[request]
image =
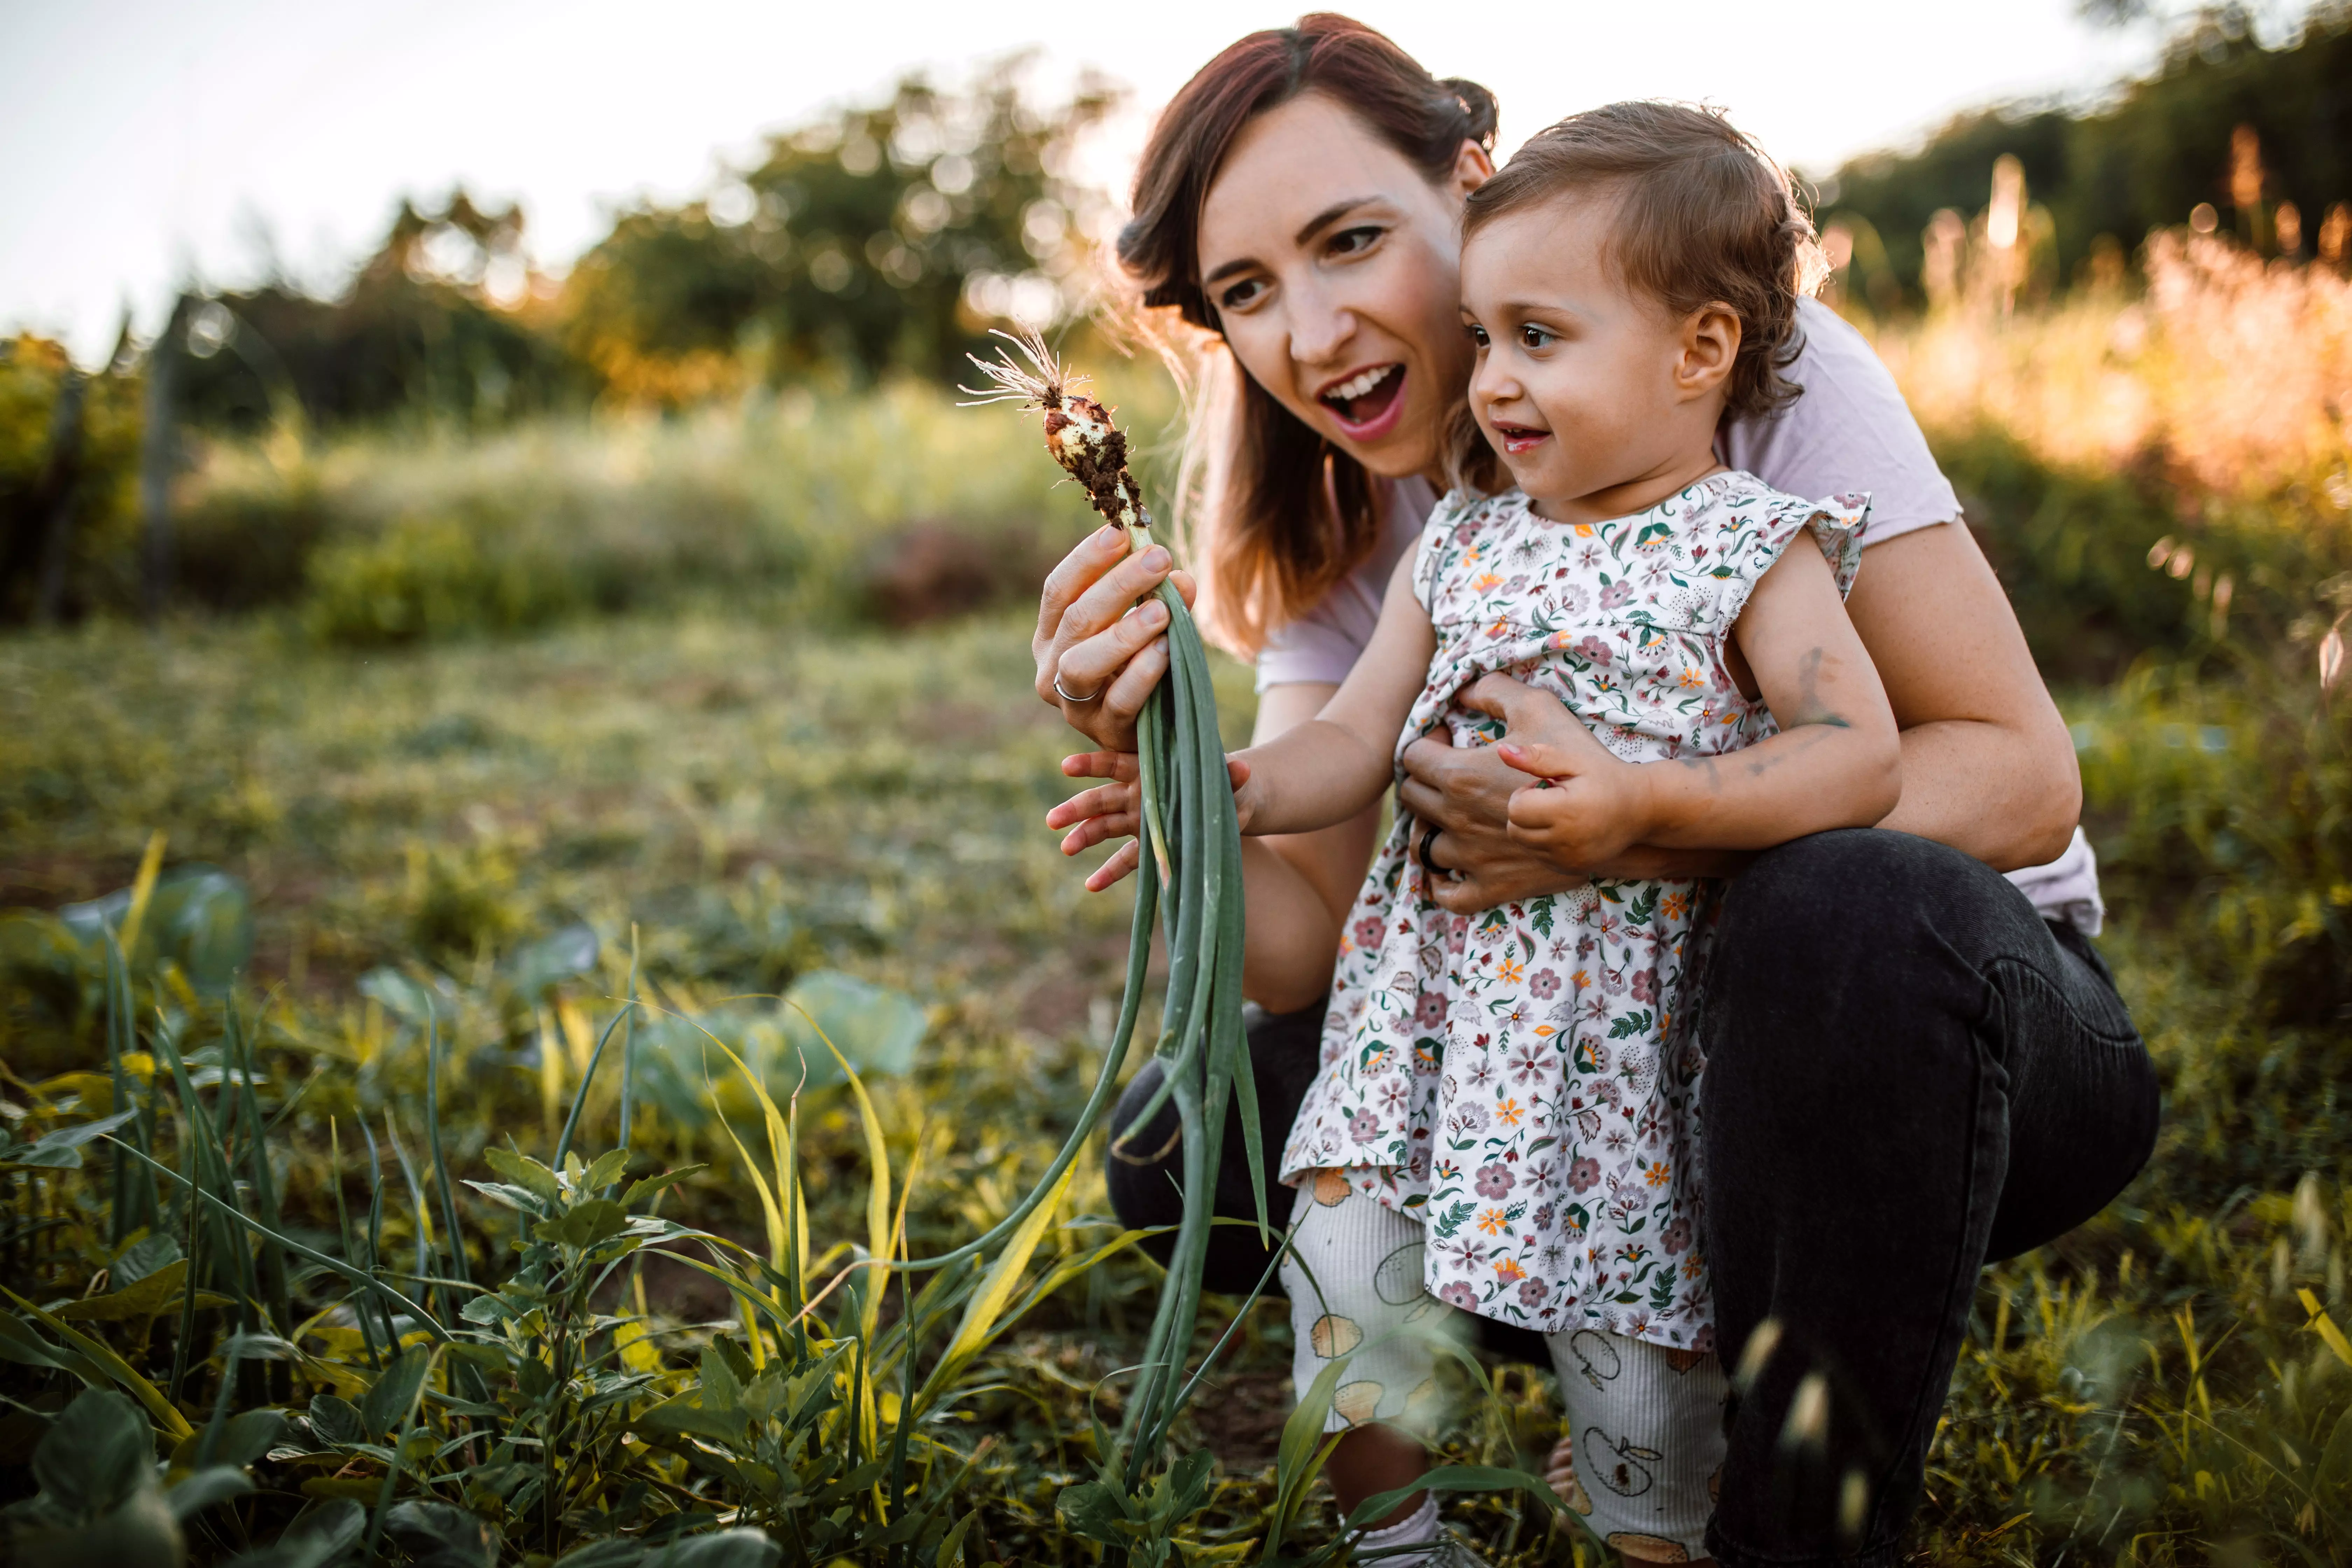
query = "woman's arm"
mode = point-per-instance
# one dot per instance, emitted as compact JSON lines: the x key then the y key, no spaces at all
{"x":1988,"y":766}
{"x":1835,"y":761}
{"x":1339,"y":764}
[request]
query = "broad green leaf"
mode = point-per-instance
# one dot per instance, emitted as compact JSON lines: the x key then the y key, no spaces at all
{"x":525,"y":1173}
{"x":199,"y":1492}
{"x":652,"y":1184}
{"x":606,"y":1170}
{"x":144,"y":1298}
{"x":173,"y":1424}
{"x":337,"y":1420}
{"x":409,"y":999}
{"x":142,"y":1258}
{"x":387,"y":1403}
{"x":60,"y":1149}
{"x":877,"y":1030}
{"x":584,"y":1225}
{"x":95,"y":1455}
{"x":245,"y":1437}
{"x":742,"y":1547}
{"x":23,"y":1346}
{"x":449,"y":1535}
{"x":553,"y":959}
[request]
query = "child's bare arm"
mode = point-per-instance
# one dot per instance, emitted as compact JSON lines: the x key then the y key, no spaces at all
{"x":1328,"y":769}
{"x":1836,"y":763}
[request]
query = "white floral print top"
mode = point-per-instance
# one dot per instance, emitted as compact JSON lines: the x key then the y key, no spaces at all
{"x":1506,"y":1075}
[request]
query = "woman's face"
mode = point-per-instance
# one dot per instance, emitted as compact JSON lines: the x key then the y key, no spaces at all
{"x":1332,"y":266}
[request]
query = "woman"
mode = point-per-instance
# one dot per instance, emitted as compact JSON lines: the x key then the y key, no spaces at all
{"x":1950,"y":1078}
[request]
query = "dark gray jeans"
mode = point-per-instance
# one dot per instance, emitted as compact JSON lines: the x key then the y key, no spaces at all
{"x":1909,"y":1075}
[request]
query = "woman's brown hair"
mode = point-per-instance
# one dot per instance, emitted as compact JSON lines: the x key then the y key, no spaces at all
{"x":1285,"y":513}
{"x":1700,"y":216}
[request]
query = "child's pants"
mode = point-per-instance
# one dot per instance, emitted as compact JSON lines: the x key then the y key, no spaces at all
{"x":1648,"y":1420}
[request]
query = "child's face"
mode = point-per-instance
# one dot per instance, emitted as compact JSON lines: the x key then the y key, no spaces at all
{"x":1587,"y":386}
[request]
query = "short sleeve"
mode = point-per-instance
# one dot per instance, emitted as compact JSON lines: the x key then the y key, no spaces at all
{"x":1322,"y":646}
{"x":1429,"y":559}
{"x":1849,"y":431}
{"x":1838,"y":525}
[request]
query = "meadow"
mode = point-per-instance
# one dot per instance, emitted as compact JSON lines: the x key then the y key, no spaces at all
{"x":537,"y":764}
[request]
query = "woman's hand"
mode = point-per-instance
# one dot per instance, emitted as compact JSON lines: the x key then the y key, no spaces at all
{"x":1114,"y":809}
{"x":1106,"y":651}
{"x":1465,"y":793}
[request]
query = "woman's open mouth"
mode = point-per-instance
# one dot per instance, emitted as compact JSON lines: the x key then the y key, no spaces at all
{"x":1368,"y":404}
{"x":1519,"y":438}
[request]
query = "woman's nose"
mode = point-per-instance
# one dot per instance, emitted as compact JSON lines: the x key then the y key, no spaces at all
{"x":1320,"y":324}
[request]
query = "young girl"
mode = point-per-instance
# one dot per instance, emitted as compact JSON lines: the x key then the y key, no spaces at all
{"x":1506,"y":1117}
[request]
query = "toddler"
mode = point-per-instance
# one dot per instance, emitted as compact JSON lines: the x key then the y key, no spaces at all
{"x":1507,"y":1117}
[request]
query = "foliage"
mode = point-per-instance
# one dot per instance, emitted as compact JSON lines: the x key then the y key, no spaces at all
{"x":883,"y":239}
{"x":446,"y":845}
{"x":436,"y":322}
{"x":42,"y":470}
{"x":2118,"y":169}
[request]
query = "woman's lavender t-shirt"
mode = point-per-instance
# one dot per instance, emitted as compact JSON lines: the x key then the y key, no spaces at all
{"x":1850,"y":431}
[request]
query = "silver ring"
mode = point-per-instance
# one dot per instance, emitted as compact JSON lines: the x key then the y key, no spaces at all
{"x":1066,"y":695}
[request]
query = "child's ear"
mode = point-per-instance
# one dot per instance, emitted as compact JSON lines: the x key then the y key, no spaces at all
{"x":1710,"y":345}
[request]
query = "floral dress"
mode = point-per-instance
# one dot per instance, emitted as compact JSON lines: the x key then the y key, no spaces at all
{"x":1507,"y":1077}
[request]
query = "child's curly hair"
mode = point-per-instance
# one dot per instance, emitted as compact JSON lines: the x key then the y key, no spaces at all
{"x":1701,"y":216}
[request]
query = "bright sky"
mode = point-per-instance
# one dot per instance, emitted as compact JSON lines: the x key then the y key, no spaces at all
{"x":143,"y":138}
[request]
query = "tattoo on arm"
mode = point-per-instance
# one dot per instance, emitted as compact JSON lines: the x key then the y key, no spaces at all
{"x":1810,"y":708}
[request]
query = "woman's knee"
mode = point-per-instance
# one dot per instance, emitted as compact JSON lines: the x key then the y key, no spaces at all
{"x":1863,"y":921}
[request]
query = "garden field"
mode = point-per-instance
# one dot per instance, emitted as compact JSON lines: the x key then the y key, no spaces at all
{"x":531,"y":724}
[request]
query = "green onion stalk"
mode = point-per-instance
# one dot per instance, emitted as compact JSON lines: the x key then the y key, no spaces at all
{"x":1190,"y":870}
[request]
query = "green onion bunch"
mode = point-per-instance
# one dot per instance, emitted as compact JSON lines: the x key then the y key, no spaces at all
{"x":1189,"y":873}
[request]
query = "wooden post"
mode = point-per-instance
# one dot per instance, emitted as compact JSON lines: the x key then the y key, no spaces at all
{"x":158,"y":453}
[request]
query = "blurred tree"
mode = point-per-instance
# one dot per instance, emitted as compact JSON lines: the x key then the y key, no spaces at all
{"x":2144,"y":159}
{"x":881,"y":239}
{"x":437,"y":319}
{"x":68,"y":472}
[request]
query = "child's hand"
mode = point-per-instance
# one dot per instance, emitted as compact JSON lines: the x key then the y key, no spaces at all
{"x":1587,"y":807}
{"x":1114,"y":810}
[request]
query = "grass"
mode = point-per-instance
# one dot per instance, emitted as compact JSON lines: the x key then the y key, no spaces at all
{"x":739,"y":800}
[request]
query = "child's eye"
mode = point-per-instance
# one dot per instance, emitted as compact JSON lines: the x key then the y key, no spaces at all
{"x":1534,"y":337}
{"x":1478,"y":336}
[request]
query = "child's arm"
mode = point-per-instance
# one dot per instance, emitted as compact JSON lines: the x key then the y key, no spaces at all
{"x":1836,"y":763}
{"x":1326,"y":771}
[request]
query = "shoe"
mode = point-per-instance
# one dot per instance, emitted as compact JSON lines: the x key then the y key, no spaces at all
{"x":1447,"y":1549}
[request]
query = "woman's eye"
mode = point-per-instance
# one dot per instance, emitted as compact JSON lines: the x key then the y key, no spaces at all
{"x":1348,"y":241}
{"x":1241,"y":295}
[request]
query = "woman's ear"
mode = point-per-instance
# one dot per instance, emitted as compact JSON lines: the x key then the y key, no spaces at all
{"x":1472,"y":167}
{"x":1710,"y":345}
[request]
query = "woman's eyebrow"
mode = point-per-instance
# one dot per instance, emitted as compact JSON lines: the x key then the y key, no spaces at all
{"x":1330,"y":216}
{"x":1306,"y":232}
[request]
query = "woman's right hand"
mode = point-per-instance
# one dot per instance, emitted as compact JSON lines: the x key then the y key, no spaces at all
{"x":1106,"y":650}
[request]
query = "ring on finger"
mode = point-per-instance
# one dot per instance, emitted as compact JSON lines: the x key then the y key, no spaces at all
{"x":1066,"y":695}
{"x":1428,"y":862}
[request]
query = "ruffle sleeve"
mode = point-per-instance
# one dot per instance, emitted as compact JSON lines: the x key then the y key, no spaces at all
{"x":1836,"y":525}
